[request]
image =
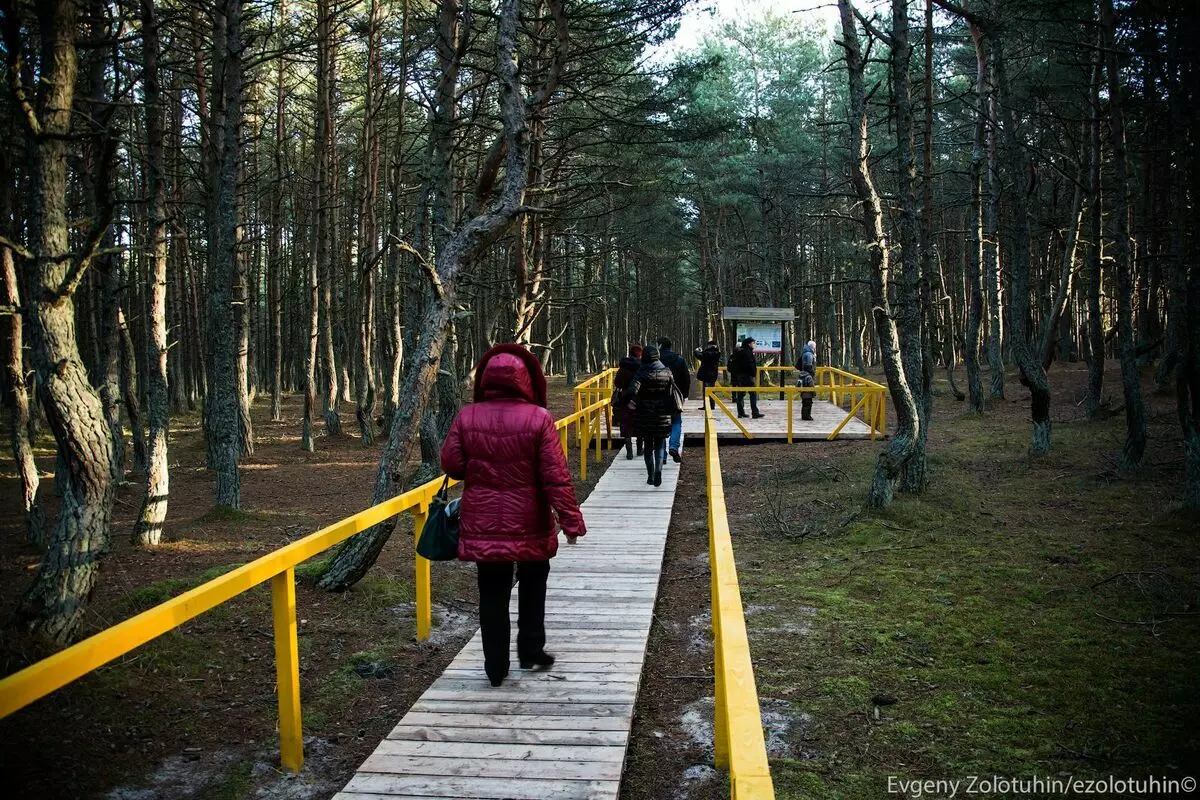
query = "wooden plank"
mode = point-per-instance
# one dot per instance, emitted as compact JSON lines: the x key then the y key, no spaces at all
{"x":619,"y":709}
{"x":380,"y":763}
{"x":525,"y":722}
{"x":377,"y":786}
{"x":443,"y":732}
{"x":505,"y":751}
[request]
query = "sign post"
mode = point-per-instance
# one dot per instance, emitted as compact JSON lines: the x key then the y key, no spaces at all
{"x":769,"y":327}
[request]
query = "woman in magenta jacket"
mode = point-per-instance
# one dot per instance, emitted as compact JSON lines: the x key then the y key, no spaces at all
{"x":505,"y":448}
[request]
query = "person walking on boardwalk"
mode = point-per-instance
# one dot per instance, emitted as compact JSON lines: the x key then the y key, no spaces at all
{"x":683,"y":381}
{"x":806,"y":365}
{"x":743,"y":368}
{"x":709,"y":357}
{"x":622,"y":410}
{"x":505,"y":449}
{"x":650,"y":391}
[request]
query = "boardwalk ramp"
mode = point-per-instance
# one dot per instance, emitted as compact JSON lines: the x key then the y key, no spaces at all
{"x":553,"y":734}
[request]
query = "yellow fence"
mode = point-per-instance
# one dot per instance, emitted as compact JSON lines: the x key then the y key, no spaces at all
{"x":857,"y":396}
{"x":278,"y":568}
{"x":738,"y":734}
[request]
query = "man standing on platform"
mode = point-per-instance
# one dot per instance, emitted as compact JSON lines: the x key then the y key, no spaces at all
{"x":683,"y":379}
{"x":743,"y":368}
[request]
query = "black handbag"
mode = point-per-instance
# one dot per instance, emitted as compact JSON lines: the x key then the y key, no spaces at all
{"x":677,"y":400}
{"x":439,"y":537}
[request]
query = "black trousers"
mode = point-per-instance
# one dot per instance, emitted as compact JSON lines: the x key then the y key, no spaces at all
{"x":740,"y":399}
{"x":495,"y":589}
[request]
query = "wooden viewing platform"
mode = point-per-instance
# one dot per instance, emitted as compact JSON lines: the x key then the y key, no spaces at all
{"x":826,"y":418}
{"x":560,"y":733}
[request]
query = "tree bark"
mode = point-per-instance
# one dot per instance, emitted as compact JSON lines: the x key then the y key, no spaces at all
{"x":1092,"y":276}
{"x":899,"y":449}
{"x":149,"y":526}
{"x":221,"y":419}
{"x":975,"y":260}
{"x":909,"y":323}
{"x":53,"y":607}
{"x":356,"y":555}
{"x":17,"y":400}
{"x":1135,"y":412}
{"x":1028,"y":358}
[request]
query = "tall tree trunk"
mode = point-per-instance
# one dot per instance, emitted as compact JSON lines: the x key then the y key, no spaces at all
{"x":975,"y":260}
{"x":909,"y":322}
{"x":469,"y":239}
{"x":326,"y":223}
{"x":17,"y":400}
{"x":1028,"y":358}
{"x":148,"y":528}
{"x":275,"y":258}
{"x":54,"y":605}
{"x":892,"y":459}
{"x":1092,"y":276}
{"x":221,"y":418}
{"x":1135,"y":411}
{"x":369,"y":230}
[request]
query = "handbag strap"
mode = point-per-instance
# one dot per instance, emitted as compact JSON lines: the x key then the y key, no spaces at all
{"x":444,"y":491}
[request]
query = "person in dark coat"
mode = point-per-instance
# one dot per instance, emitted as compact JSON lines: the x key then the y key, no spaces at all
{"x":505,"y":449}
{"x":806,"y":365}
{"x":743,"y":369}
{"x":650,"y":391}
{"x":710,"y":367}
{"x":683,"y":380}
{"x":622,"y":411}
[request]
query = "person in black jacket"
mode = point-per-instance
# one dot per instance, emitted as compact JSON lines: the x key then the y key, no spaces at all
{"x":650,"y":391}
{"x":710,"y":367}
{"x":743,"y":369}
{"x":622,"y":411}
{"x":683,"y":379}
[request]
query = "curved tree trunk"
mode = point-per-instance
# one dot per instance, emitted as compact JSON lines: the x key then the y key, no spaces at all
{"x":357,"y":554}
{"x":54,"y":605}
{"x":892,"y":459}
{"x":1028,"y":359}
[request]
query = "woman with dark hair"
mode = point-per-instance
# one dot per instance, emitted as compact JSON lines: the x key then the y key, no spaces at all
{"x":622,"y":410}
{"x":651,"y":393}
{"x":505,"y":449}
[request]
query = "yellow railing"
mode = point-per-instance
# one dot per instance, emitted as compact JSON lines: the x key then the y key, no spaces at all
{"x":738,"y":733}
{"x":40,"y":679}
{"x":596,"y":389}
{"x":857,"y":396}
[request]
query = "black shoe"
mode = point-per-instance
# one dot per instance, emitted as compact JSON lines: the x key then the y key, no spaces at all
{"x":628,"y":453}
{"x":743,"y":416}
{"x":650,"y":480}
{"x":657,"y":478}
{"x":759,"y":416}
{"x":675,"y":455}
{"x":497,"y":679}
{"x":542,"y":660}
{"x":806,"y":419}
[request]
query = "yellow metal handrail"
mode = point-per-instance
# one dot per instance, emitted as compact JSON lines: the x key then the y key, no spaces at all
{"x":40,"y":679}
{"x":738,"y":735}
{"x":865,"y":399}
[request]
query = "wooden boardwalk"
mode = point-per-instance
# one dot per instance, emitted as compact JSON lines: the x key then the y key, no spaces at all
{"x":826,"y":418}
{"x":560,"y":733}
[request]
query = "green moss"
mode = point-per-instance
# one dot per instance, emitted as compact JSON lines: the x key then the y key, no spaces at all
{"x":152,"y":594}
{"x":234,"y":784}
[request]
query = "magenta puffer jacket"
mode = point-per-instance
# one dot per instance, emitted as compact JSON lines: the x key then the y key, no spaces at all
{"x":506,"y":449}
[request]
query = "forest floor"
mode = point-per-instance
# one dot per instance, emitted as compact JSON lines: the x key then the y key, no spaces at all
{"x":1023,"y":617}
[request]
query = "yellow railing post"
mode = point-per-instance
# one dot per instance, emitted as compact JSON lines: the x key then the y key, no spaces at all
{"x":599,"y":418}
{"x":421,"y":577}
{"x":790,"y":403}
{"x":287,"y":669}
{"x":581,"y":429}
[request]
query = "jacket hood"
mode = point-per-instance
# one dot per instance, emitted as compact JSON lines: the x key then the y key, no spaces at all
{"x":509,"y":370}
{"x":631,"y":362}
{"x":649,"y":354}
{"x":810,"y":348}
